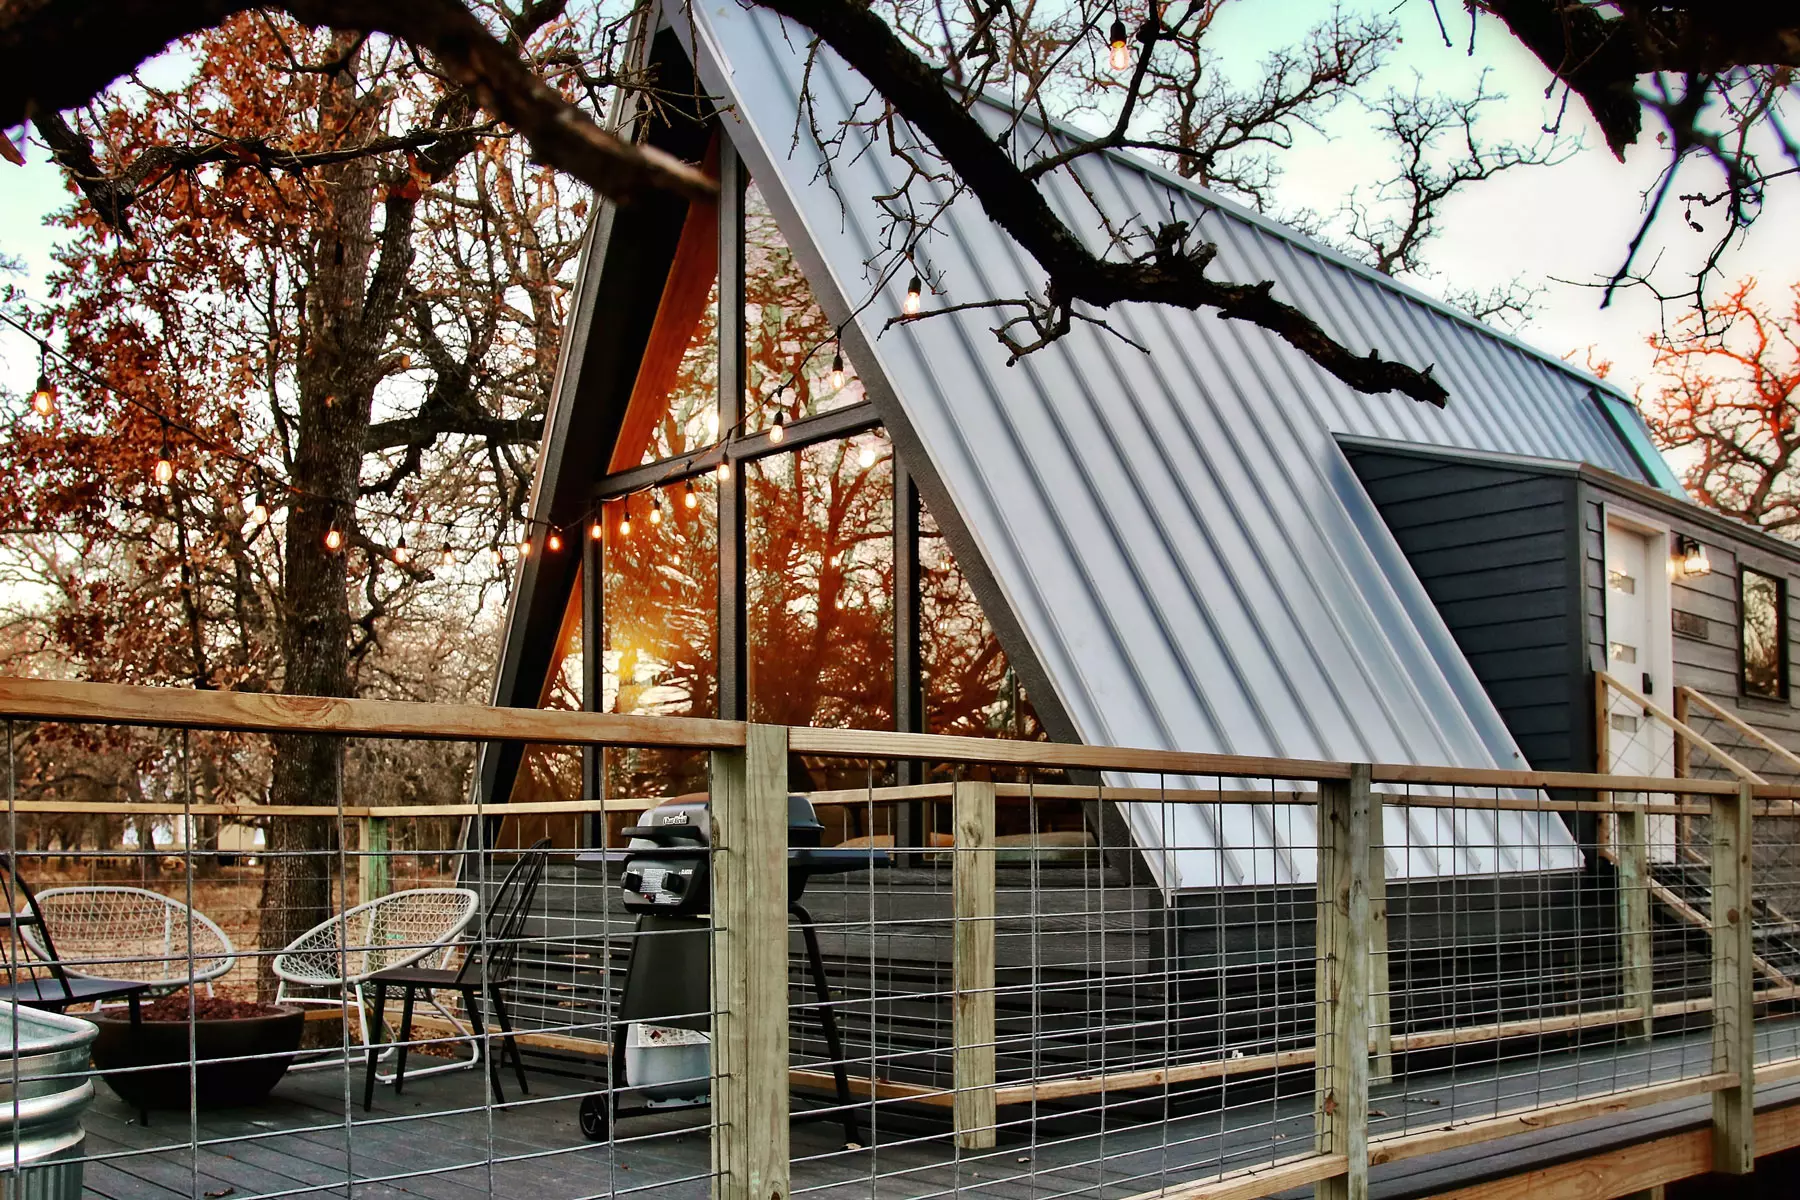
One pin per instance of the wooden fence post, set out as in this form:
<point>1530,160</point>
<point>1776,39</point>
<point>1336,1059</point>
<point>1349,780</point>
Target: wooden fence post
<point>750,968</point>
<point>372,881</point>
<point>1381,1033</point>
<point>1637,978</point>
<point>972,888</point>
<point>1734,1030</point>
<point>1341,998</point>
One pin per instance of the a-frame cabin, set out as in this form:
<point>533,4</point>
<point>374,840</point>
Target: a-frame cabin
<point>773,504</point>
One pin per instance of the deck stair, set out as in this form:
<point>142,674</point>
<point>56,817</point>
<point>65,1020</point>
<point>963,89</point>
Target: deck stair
<point>1683,892</point>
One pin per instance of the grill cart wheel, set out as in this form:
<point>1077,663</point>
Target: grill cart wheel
<point>594,1118</point>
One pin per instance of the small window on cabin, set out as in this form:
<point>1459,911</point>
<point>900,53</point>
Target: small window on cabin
<point>1762,640</point>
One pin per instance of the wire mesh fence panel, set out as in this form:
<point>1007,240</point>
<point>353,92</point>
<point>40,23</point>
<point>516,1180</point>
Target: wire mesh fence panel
<point>1072,971</point>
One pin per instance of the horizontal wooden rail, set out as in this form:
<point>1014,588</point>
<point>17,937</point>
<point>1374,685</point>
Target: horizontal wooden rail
<point>263,712</point>
<point>1251,1183</point>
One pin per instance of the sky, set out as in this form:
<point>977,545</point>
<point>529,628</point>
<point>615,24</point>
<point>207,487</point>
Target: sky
<point>1570,222</point>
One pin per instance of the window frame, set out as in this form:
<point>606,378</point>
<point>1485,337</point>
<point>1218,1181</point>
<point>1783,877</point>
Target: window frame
<point>1781,694</point>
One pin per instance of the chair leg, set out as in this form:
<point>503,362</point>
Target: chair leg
<point>406,1010</point>
<point>371,1052</point>
<point>478,1028</point>
<point>510,1042</point>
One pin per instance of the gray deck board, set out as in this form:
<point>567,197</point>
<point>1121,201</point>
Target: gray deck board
<point>436,1142</point>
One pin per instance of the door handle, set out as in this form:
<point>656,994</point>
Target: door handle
<point>1649,684</point>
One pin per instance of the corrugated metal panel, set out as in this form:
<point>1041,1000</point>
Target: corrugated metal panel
<point>1188,553</point>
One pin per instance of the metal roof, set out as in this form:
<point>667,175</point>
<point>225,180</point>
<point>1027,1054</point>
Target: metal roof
<point>1176,535</point>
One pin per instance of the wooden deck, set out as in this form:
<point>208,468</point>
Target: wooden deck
<point>439,1141</point>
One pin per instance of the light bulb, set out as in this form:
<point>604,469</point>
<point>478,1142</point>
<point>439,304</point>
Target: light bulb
<point>43,399</point>
<point>837,370</point>
<point>724,470</point>
<point>525,546</point>
<point>625,525</point>
<point>656,512</point>
<point>1121,49</point>
<point>596,531</point>
<point>334,539</point>
<point>553,543</point>
<point>401,553</point>
<point>778,430</point>
<point>1697,563</point>
<point>165,471</point>
<point>866,457</point>
<point>690,498</point>
<point>499,558</point>
<point>447,556</point>
<point>913,290</point>
<point>259,512</point>
<point>838,604</point>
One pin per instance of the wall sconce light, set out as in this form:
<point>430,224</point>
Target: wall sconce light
<point>1690,557</point>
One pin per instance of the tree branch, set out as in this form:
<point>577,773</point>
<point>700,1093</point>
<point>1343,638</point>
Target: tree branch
<point>57,54</point>
<point>1171,275</point>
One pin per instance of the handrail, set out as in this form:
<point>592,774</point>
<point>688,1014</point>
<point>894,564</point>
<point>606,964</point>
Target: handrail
<point>1680,727</point>
<point>1750,731</point>
<point>263,712</point>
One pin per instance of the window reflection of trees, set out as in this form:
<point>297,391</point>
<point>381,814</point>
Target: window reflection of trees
<point>821,585</point>
<point>783,326</point>
<point>660,655</point>
<point>1762,635</point>
<point>970,688</point>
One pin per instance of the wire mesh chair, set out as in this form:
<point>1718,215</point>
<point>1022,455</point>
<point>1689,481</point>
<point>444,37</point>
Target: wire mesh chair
<point>131,933</point>
<point>415,927</point>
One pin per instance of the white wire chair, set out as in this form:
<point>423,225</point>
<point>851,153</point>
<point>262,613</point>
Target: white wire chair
<point>131,933</point>
<point>415,927</point>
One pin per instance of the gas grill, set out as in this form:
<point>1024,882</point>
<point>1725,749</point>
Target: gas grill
<point>662,1045</point>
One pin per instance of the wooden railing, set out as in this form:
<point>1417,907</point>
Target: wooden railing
<point>749,823</point>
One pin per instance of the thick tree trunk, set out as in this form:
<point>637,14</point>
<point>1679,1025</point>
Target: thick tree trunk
<point>337,373</point>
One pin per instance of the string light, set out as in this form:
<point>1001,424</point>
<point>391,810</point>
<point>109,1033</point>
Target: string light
<point>499,558</point>
<point>778,430</point>
<point>1121,49</point>
<point>334,539</point>
<point>837,370</point>
<point>625,521</point>
<point>596,530</point>
<point>43,398</point>
<point>446,556</point>
<point>525,546</point>
<point>865,457</point>
<point>724,471</point>
<point>913,291</point>
<point>690,499</point>
<point>553,543</point>
<point>401,553</point>
<point>259,512</point>
<point>655,509</point>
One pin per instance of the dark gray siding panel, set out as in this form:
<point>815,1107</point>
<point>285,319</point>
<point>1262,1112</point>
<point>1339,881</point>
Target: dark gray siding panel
<point>1494,548</point>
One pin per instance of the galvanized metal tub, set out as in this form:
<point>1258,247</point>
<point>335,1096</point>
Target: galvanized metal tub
<point>45,1087</point>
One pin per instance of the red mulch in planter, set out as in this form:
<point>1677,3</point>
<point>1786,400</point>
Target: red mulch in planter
<point>206,1008</point>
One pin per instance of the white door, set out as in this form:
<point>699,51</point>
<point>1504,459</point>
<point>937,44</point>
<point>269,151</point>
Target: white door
<point>1637,655</point>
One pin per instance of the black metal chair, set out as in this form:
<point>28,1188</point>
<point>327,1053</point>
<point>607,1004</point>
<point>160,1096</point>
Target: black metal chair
<point>486,971</point>
<point>60,988</point>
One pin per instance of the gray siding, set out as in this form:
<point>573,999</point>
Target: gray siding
<point>1705,659</point>
<point>1491,545</point>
